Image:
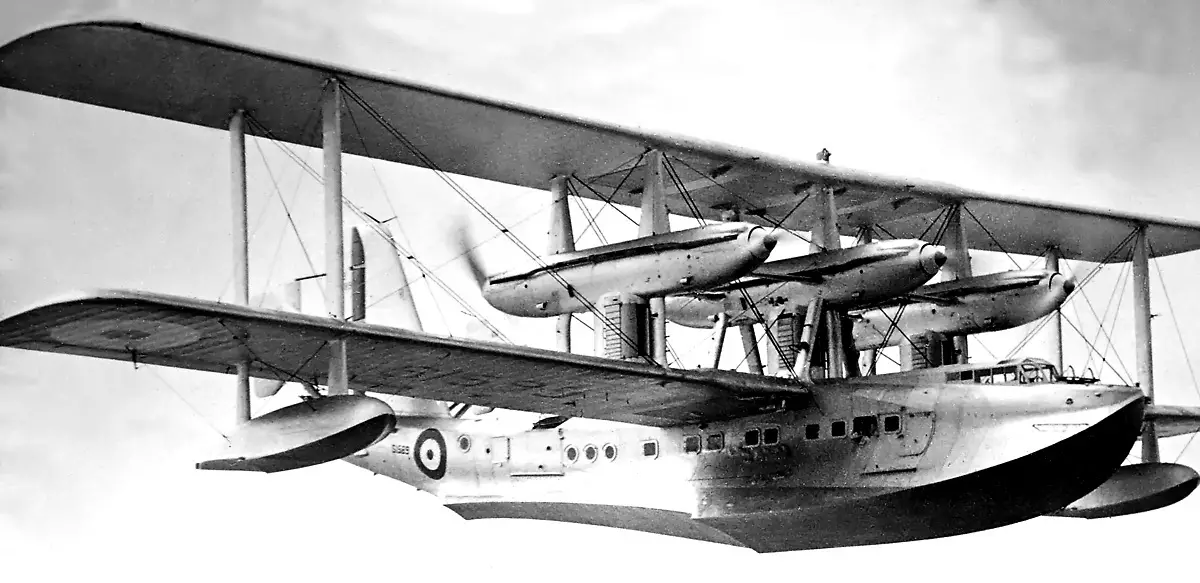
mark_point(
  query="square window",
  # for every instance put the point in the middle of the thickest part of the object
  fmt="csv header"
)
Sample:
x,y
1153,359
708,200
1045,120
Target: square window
x,y
812,431
752,438
866,426
691,444
714,442
650,448
838,429
891,423
770,436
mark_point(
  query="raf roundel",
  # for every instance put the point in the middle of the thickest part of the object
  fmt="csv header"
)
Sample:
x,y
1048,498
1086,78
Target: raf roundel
x,y
430,453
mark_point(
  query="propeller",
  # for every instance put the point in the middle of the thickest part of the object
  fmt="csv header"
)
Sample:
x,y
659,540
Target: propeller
x,y
468,251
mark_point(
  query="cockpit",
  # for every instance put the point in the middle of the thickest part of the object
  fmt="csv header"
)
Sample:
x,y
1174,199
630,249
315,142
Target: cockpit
x,y
1029,371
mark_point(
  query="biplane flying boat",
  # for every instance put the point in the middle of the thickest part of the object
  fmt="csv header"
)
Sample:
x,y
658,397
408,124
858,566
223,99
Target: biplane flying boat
x,y
808,450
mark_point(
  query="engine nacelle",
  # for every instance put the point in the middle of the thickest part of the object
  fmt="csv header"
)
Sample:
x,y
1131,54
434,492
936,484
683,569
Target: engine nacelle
x,y
306,434
658,265
986,303
859,275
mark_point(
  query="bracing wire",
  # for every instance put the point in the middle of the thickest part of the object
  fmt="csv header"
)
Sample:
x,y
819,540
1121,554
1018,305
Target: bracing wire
x,y
487,215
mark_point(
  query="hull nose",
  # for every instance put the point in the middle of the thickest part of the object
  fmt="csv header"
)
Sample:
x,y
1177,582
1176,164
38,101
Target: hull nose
x,y
1037,483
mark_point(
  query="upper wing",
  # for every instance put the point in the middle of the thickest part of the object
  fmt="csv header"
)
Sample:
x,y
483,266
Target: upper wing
x,y
210,336
179,76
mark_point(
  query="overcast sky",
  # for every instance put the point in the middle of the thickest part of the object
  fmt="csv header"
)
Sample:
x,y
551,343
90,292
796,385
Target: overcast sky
x,y
1072,101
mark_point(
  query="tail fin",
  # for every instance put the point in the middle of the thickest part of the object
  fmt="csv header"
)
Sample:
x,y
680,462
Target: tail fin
x,y
386,296
379,294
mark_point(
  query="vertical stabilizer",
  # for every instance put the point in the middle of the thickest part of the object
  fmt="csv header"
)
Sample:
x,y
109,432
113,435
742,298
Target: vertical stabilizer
x,y
387,297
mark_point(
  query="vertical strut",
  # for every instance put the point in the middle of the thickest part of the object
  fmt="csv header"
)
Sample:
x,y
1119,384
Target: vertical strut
x,y
1142,336
958,262
335,270
719,328
750,347
1054,327
866,235
561,239
654,220
241,250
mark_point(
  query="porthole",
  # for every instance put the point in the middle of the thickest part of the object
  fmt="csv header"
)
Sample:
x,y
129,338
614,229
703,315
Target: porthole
x,y
752,438
610,452
838,429
691,444
572,453
590,453
770,436
464,443
714,442
650,449
812,431
891,423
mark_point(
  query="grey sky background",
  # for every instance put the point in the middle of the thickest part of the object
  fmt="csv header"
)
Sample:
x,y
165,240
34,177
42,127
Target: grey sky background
x,y
1091,103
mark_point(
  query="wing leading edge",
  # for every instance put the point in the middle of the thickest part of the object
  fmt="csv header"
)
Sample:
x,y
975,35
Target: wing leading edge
x,y
209,336
179,76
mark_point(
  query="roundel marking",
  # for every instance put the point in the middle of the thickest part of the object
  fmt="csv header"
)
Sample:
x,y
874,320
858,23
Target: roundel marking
x,y
116,334
430,453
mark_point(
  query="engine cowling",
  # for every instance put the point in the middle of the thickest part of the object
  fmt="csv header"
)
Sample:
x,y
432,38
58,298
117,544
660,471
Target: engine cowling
x,y
859,275
987,303
658,265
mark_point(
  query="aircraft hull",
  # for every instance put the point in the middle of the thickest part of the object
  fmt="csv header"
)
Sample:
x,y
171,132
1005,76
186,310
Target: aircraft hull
x,y
1029,486
968,458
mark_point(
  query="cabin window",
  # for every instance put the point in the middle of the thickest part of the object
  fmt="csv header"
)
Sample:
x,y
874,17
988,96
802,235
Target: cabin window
x,y
770,436
838,429
590,453
891,423
610,452
464,442
572,454
714,442
865,426
752,438
650,448
691,444
812,431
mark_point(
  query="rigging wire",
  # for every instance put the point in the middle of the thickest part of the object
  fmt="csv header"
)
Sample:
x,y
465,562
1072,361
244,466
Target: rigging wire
x,y
179,396
730,192
1183,346
482,210
1080,289
286,212
587,213
377,226
1092,347
991,236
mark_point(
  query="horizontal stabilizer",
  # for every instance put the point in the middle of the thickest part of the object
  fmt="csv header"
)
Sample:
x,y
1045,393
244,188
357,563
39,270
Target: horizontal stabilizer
x,y
306,434
1133,489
